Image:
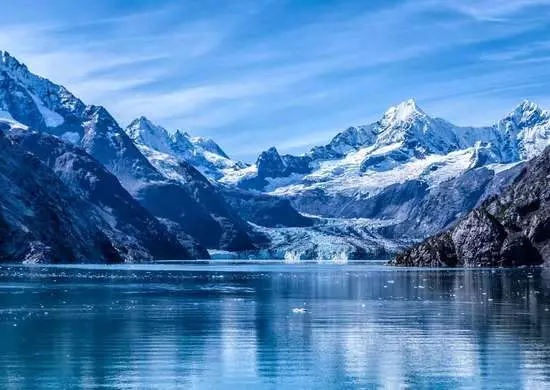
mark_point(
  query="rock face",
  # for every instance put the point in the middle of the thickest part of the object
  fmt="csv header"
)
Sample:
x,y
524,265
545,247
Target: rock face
x,y
507,230
43,220
135,233
265,210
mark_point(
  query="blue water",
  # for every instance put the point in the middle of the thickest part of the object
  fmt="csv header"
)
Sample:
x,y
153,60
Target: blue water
x,y
195,326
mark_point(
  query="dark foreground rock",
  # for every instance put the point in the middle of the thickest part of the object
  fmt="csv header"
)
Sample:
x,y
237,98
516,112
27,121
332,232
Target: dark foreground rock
x,y
505,231
41,219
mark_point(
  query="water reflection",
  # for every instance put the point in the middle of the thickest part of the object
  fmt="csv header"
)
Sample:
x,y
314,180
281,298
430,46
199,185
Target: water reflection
x,y
363,327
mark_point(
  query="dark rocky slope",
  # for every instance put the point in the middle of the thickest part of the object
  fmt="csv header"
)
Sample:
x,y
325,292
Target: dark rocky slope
x,y
135,233
41,219
512,229
264,210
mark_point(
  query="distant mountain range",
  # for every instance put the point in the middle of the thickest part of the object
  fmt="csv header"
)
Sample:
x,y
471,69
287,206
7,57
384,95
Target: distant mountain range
x,y
144,193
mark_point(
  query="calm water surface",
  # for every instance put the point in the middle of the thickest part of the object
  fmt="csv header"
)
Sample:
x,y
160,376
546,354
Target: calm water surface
x,y
273,326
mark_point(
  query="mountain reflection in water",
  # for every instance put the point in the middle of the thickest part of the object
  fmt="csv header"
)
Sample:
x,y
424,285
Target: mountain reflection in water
x,y
273,326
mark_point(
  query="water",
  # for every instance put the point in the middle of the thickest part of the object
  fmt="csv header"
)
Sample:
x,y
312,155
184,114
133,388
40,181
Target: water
x,y
273,326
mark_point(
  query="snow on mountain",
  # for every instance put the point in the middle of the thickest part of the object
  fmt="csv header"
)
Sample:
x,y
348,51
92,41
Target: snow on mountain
x,y
33,98
203,153
38,103
527,130
404,144
144,132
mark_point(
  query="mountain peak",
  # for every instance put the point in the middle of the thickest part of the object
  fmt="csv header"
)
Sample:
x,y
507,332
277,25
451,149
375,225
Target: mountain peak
x,y
526,113
526,106
142,131
143,119
270,163
99,113
272,150
403,111
8,61
270,154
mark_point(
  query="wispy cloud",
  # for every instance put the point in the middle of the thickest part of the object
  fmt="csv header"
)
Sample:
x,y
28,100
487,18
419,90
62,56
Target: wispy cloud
x,y
494,10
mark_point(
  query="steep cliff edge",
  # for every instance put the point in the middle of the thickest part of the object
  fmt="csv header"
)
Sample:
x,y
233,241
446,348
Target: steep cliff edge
x,y
512,229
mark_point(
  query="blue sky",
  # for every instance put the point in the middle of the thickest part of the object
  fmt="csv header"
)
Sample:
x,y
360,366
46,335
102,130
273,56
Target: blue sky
x,y
257,73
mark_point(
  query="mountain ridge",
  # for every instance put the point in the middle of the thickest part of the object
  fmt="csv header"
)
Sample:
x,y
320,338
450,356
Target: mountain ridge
x,y
369,181
30,99
515,227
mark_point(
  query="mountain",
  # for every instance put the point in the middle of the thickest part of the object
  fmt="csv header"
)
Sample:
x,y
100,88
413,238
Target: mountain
x,y
405,141
511,229
405,154
48,107
136,235
406,175
202,153
42,219
371,191
165,152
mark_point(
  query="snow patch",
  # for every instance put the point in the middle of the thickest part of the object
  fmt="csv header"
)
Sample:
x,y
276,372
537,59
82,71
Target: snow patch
x,y
71,136
51,118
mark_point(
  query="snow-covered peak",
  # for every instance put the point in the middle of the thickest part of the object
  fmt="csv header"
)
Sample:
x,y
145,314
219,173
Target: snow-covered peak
x,y
142,131
19,71
8,62
526,130
32,99
403,112
209,145
203,153
527,113
418,133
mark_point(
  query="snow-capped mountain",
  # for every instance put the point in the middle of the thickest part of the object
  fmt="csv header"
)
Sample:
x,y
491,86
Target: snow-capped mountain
x,y
370,191
48,107
404,144
526,131
416,173
203,153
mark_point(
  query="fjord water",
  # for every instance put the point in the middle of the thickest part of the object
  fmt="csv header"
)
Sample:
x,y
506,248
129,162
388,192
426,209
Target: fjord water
x,y
273,326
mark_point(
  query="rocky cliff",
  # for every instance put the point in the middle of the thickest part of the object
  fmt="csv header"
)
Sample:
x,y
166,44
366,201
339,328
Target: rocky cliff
x,y
512,229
